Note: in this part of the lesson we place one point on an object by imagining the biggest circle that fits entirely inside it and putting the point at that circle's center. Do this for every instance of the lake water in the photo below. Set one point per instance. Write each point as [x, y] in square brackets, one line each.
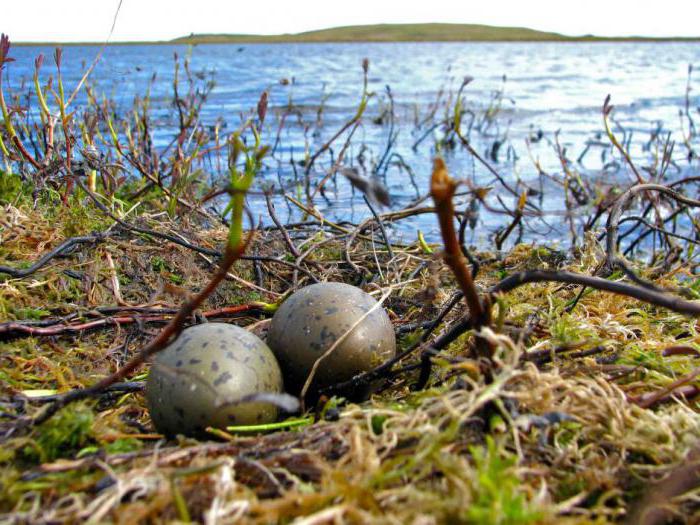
[548, 86]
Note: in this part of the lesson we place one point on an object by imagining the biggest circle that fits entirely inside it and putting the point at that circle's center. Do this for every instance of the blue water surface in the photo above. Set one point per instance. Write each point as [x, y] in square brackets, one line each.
[552, 87]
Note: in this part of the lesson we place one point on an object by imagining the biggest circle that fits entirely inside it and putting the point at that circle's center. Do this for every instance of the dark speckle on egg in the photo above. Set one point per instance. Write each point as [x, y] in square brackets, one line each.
[226, 376]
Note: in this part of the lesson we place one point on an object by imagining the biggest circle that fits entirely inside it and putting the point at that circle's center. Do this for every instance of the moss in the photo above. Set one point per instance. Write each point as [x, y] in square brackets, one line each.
[81, 218]
[13, 190]
[30, 313]
[61, 436]
[500, 496]
[158, 264]
[176, 279]
[567, 330]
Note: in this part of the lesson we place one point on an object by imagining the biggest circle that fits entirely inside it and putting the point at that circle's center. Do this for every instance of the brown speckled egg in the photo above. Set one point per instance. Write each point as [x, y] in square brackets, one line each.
[193, 381]
[313, 319]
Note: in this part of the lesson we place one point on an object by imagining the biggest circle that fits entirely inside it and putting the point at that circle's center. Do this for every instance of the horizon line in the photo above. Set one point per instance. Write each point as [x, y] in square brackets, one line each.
[328, 37]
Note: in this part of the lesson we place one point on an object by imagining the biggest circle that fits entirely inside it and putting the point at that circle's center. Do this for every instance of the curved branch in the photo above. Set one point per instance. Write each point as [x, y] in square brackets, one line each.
[643, 294]
[612, 225]
[56, 252]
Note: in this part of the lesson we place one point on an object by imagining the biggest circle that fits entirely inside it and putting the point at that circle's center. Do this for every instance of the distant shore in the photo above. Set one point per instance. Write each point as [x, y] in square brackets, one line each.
[387, 33]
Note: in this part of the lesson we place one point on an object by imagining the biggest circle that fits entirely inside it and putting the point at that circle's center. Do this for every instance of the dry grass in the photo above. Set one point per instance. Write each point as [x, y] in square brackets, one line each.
[558, 443]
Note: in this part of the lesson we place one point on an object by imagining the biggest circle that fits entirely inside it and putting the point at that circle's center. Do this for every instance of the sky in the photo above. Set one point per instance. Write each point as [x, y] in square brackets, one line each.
[91, 20]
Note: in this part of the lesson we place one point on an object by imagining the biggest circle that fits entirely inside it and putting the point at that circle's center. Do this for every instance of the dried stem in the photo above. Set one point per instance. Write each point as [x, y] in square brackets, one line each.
[442, 189]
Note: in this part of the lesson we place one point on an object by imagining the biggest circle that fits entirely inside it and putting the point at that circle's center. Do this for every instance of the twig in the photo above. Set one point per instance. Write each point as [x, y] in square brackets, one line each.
[285, 235]
[125, 387]
[607, 110]
[642, 220]
[381, 226]
[648, 401]
[56, 252]
[490, 168]
[282, 262]
[501, 238]
[19, 329]
[643, 294]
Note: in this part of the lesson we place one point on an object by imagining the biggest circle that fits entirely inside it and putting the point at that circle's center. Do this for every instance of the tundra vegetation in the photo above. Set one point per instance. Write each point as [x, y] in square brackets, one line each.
[531, 384]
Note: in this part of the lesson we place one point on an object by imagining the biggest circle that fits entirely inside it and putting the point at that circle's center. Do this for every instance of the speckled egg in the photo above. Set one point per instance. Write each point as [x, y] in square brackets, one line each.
[311, 320]
[194, 382]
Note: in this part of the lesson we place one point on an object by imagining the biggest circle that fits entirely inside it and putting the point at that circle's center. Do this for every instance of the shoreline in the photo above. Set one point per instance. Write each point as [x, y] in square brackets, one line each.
[196, 42]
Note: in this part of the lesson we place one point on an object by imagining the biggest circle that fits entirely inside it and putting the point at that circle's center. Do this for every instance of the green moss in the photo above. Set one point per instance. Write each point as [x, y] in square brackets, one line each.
[571, 485]
[158, 264]
[30, 313]
[61, 436]
[568, 329]
[81, 218]
[119, 446]
[409, 339]
[499, 495]
[176, 279]
[12, 189]
[16, 488]
[254, 296]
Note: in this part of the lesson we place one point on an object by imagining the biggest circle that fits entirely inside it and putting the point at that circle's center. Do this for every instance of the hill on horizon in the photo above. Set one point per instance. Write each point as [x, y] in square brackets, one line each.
[429, 32]
[388, 33]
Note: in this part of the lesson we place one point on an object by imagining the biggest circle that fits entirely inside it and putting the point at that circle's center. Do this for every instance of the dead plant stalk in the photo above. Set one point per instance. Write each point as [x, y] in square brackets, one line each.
[442, 189]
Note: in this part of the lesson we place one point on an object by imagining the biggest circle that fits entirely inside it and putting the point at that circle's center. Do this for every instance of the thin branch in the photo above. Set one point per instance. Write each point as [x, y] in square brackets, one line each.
[285, 235]
[612, 226]
[643, 294]
[381, 226]
[61, 249]
[19, 329]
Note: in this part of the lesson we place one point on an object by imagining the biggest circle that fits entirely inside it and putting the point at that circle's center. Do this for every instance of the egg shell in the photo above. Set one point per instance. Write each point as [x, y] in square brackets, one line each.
[194, 380]
[312, 319]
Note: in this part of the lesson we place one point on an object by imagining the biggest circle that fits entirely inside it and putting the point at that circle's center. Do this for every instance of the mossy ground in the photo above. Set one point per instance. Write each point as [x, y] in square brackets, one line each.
[553, 439]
